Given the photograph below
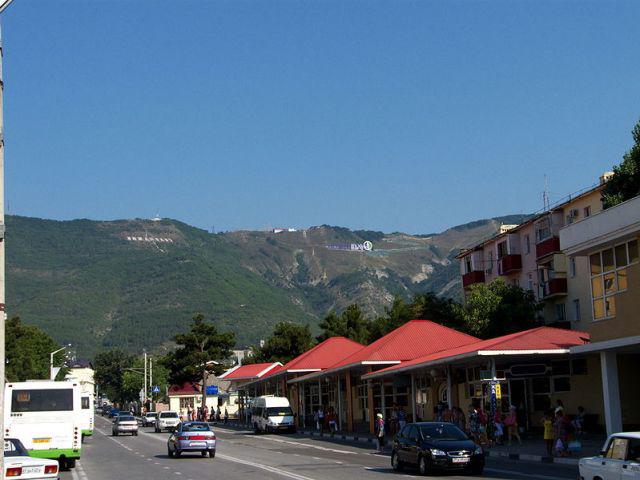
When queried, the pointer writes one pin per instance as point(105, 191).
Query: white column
point(449, 388)
point(413, 397)
point(611, 392)
point(339, 405)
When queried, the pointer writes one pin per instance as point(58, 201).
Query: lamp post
point(52, 375)
point(3, 316)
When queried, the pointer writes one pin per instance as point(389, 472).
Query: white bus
point(46, 417)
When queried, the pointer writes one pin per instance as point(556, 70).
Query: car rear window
point(168, 415)
point(124, 418)
point(196, 427)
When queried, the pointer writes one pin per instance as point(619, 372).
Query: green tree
point(445, 311)
point(351, 323)
point(28, 352)
point(499, 308)
point(625, 183)
point(287, 342)
point(110, 367)
point(200, 353)
point(395, 316)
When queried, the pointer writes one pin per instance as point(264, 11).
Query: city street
point(242, 455)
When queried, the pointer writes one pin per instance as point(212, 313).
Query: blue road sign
point(212, 390)
point(155, 389)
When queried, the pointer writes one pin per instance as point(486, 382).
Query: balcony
point(547, 247)
point(472, 277)
point(555, 287)
point(509, 263)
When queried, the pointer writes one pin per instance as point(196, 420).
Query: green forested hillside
point(84, 282)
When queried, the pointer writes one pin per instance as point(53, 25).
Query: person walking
point(498, 426)
point(226, 415)
point(561, 434)
point(547, 424)
point(511, 422)
point(218, 414)
point(321, 419)
point(380, 432)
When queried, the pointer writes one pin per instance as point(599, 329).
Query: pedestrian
point(332, 420)
point(483, 423)
point(511, 422)
point(561, 434)
point(498, 425)
point(474, 425)
point(393, 421)
point(226, 415)
point(316, 419)
point(578, 422)
point(380, 432)
point(205, 414)
point(218, 414)
point(188, 412)
point(402, 418)
point(559, 406)
point(547, 424)
point(321, 419)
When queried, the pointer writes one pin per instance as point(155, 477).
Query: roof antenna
point(545, 194)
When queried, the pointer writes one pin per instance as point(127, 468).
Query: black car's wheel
point(423, 465)
point(177, 452)
point(212, 453)
point(395, 463)
point(256, 430)
point(204, 453)
point(114, 433)
point(70, 463)
point(135, 434)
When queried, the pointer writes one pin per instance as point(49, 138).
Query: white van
point(272, 414)
point(46, 417)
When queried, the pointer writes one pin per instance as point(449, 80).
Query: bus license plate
point(41, 440)
point(460, 460)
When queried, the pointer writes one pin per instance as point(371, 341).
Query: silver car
point(192, 437)
point(125, 424)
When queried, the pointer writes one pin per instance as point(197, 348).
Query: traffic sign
point(212, 390)
point(155, 389)
point(498, 391)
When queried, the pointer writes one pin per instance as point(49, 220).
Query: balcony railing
point(509, 263)
point(472, 277)
point(547, 247)
point(555, 287)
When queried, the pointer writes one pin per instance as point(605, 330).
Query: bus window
point(41, 400)
point(85, 403)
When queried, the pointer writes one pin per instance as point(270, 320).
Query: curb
point(524, 457)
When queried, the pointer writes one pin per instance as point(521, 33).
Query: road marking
point(81, 471)
point(302, 444)
point(74, 474)
point(527, 475)
point(261, 466)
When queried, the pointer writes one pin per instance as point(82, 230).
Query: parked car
point(192, 437)
point(149, 419)
point(19, 465)
point(125, 424)
point(434, 446)
point(272, 414)
point(619, 459)
point(167, 421)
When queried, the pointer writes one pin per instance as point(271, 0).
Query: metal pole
point(144, 396)
point(151, 380)
point(339, 405)
point(413, 397)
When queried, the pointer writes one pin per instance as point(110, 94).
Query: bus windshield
point(279, 411)
point(54, 400)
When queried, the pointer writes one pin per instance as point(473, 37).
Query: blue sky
point(399, 115)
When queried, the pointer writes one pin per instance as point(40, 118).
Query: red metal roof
point(186, 388)
point(322, 355)
point(413, 339)
point(534, 340)
point(248, 372)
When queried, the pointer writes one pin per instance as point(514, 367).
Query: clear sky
point(400, 115)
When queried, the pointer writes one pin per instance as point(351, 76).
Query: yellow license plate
point(41, 440)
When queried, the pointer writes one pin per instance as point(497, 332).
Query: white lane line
point(74, 474)
point(526, 475)
point(81, 471)
point(302, 444)
point(261, 466)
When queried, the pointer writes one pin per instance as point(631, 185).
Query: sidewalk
point(531, 450)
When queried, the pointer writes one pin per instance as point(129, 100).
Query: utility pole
point(145, 377)
point(3, 316)
point(151, 380)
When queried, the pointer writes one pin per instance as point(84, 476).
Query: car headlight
point(438, 453)
point(478, 450)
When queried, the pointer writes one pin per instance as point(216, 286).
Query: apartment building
point(608, 291)
point(529, 255)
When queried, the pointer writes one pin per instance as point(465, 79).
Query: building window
point(543, 229)
point(502, 249)
point(490, 266)
point(609, 276)
point(560, 312)
point(527, 244)
point(467, 265)
point(572, 267)
point(587, 211)
point(561, 384)
point(530, 283)
point(576, 310)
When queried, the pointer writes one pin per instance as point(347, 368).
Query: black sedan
point(434, 446)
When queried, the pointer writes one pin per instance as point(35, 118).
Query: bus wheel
point(69, 463)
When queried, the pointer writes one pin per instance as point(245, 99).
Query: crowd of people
point(203, 414)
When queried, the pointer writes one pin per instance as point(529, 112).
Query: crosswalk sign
point(155, 389)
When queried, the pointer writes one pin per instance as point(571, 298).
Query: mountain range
point(135, 283)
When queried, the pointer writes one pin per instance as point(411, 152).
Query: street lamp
point(52, 375)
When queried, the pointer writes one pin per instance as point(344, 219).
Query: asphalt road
point(244, 456)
